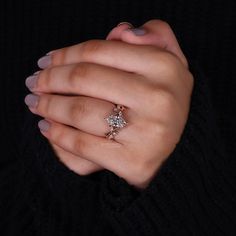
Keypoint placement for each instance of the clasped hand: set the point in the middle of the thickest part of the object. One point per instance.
(80, 84)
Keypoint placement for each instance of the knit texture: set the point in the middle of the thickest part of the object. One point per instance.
(194, 191)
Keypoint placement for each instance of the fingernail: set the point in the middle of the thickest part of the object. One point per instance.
(31, 100)
(125, 23)
(44, 125)
(45, 61)
(138, 31)
(31, 81)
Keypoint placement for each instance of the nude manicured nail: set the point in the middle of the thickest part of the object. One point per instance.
(31, 81)
(44, 125)
(45, 61)
(31, 100)
(138, 31)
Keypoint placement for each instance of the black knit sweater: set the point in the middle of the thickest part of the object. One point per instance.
(194, 193)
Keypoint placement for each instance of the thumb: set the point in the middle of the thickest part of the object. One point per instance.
(154, 32)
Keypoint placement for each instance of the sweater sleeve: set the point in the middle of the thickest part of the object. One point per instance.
(193, 193)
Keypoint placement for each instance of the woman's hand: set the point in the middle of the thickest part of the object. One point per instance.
(152, 83)
(159, 34)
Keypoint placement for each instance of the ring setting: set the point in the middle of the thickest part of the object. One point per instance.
(116, 121)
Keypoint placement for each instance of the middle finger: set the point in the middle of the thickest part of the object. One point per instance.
(111, 84)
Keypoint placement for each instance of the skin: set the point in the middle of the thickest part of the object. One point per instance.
(147, 74)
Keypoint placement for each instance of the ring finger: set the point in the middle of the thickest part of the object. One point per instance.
(84, 113)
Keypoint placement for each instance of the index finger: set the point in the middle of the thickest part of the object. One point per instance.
(117, 54)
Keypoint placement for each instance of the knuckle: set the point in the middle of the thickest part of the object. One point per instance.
(166, 61)
(77, 72)
(78, 110)
(44, 106)
(83, 69)
(59, 56)
(89, 48)
(79, 146)
(58, 135)
(45, 78)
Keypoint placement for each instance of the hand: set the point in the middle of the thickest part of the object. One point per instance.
(157, 95)
(160, 35)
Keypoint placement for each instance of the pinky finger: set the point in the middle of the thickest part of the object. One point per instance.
(75, 163)
(98, 150)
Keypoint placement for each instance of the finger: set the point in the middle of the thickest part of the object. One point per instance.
(116, 86)
(104, 152)
(158, 33)
(75, 163)
(117, 54)
(84, 113)
(115, 33)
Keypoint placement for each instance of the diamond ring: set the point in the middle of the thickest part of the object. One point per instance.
(116, 121)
